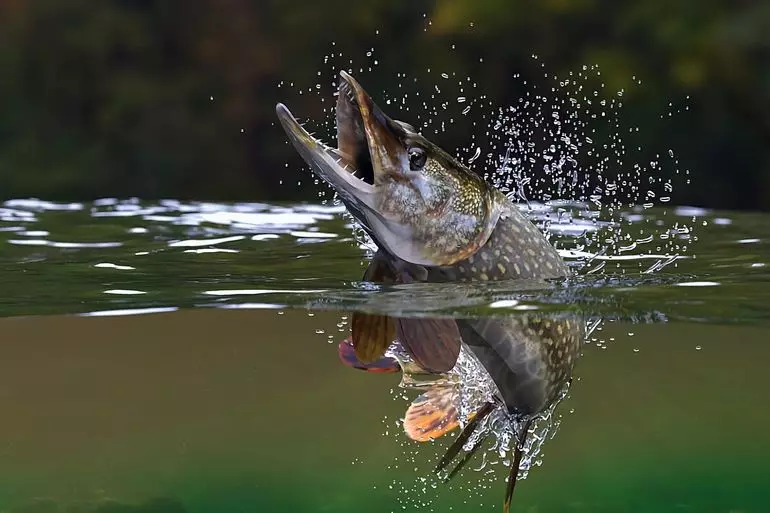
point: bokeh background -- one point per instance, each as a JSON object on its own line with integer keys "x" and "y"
{"x": 113, "y": 98}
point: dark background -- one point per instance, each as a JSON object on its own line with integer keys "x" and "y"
{"x": 112, "y": 98}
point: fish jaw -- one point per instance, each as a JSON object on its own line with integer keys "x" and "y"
{"x": 384, "y": 136}
{"x": 327, "y": 163}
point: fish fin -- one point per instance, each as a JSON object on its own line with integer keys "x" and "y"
{"x": 468, "y": 455}
{"x": 463, "y": 437}
{"x": 432, "y": 414}
{"x": 371, "y": 334}
{"x": 380, "y": 270}
{"x": 433, "y": 343}
{"x": 513, "y": 475}
{"x": 348, "y": 356}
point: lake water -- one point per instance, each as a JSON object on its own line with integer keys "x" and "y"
{"x": 170, "y": 357}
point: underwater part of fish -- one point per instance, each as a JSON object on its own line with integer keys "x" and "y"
{"x": 434, "y": 220}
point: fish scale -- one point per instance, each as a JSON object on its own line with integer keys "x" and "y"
{"x": 516, "y": 249}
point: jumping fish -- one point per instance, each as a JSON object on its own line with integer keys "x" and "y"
{"x": 434, "y": 220}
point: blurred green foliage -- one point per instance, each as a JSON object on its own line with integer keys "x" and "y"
{"x": 112, "y": 98}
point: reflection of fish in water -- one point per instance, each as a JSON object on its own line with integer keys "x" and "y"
{"x": 433, "y": 219}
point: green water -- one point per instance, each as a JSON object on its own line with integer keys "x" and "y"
{"x": 183, "y": 357}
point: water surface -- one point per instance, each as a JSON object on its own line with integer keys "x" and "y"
{"x": 677, "y": 263}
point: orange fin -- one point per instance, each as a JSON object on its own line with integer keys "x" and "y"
{"x": 348, "y": 356}
{"x": 432, "y": 414}
{"x": 433, "y": 343}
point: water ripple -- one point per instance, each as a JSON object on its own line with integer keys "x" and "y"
{"x": 128, "y": 257}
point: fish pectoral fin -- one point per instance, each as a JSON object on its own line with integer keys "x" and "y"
{"x": 379, "y": 270}
{"x": 433, "y": 343}
{"x": 371, "y": 335}
{"x": 432, "y": 414}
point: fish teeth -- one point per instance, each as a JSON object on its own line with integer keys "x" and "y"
{"x": 345, "y": 88}
{"x": 347, "y": 168}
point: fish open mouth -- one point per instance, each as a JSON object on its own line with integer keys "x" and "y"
{"x": 348, "y": 167}
{"x": 371, "y": 158}
{"x": 369, "y": 148}
{"x": 352, "y": 145}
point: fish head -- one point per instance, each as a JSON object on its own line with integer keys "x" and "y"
{"x": 417, "y": 202}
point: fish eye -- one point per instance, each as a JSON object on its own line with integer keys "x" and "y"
{"x": 417, "y": 158}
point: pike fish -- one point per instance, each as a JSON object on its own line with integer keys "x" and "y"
{"x": 434, "y": 220}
